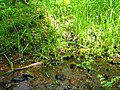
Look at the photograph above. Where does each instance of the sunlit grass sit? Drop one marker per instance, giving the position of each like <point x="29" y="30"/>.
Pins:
<point x="51" y="25"/>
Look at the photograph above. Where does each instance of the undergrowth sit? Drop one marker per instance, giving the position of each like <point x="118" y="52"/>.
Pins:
<point x="91" y="27"/>
<point x="61" y="29"/>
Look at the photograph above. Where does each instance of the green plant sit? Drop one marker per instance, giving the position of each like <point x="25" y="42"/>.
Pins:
<point x="10" y="62"/>
<point x="21" y="48"/>
<point x="89" y="26"/>
<point x="86" y="64"/>
<point x="108" y="84"/>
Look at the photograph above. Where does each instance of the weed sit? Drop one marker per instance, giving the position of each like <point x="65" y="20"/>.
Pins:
<point x="108" y="84"/>
<point x="87" y="65"/>
<point x="10" y="62"/>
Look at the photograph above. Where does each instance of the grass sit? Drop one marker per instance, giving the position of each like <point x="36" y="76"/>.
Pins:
<point x="61" y="29"/>
<point x="54" y="25"/>
<point x="10" y="62"/>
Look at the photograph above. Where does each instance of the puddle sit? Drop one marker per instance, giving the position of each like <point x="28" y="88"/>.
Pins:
<point x="64" y="76"/>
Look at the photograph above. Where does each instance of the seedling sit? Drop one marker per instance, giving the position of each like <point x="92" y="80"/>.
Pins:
<point x="10" y="62"/>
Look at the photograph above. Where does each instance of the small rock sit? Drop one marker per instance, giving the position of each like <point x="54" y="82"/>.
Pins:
<point x="26" y="75"/>
<point x="118" y="86"/>
<point x="72" y="66"/>
<point x="59" y="77"/>
<point x="18" y="79"/>
<point x="20" y="86"/>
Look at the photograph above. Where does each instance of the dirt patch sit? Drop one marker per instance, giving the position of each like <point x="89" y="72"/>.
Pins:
<point x="64" y="76"/>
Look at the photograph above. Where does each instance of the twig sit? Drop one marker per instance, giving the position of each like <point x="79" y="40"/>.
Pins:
<point x="25" y="67"/>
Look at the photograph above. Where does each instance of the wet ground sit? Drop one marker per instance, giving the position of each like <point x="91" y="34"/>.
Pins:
<point x="64" y="76"/>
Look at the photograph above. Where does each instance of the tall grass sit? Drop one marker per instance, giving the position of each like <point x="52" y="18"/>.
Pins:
<point x="92" y="26"/>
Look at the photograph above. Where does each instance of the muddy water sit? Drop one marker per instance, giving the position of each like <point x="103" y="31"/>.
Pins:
<point x="64" y="76"/>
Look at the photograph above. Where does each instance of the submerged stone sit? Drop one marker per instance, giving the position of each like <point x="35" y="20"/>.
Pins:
<point x="18" y="79"/>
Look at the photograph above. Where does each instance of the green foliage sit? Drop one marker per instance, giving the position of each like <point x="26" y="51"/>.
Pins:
<point x="53" y="25"/>
<point x="87" y="64"/>
<point x="108" y="84"/>
<point x="22" y="48"/>
<point x="10" y="62"/>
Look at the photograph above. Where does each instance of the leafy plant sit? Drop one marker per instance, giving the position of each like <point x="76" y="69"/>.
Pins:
<point x="108" y="84"/>
<point x="86" y="64"/>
